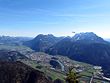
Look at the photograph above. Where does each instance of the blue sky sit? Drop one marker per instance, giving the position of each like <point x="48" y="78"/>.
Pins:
<point x="58" y="17"/>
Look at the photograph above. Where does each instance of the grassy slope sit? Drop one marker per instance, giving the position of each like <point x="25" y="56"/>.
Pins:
<point x="54" y="74"/>
<point x="86" y="75"/>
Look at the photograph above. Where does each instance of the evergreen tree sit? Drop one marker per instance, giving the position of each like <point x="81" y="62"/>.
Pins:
<point x="72" y="76"/>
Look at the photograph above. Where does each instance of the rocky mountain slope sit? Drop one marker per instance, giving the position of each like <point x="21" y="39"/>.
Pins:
<point x="17" y="72"/>
<point x="42" y="42"/>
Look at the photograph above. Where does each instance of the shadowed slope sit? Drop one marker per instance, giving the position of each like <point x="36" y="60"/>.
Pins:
<point x="17" y="72"/>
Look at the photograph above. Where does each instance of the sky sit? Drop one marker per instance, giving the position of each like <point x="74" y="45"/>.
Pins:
<point x="57" y="17"/>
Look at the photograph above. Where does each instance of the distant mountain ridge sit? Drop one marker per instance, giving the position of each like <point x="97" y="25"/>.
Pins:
<point x="13" y="40"/>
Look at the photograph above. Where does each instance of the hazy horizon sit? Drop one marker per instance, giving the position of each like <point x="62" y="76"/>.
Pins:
<point x="53" y="35"/>
<point x="29" y="18"/>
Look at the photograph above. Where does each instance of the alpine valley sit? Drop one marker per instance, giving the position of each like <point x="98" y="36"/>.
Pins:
<point x="47" y="59"/>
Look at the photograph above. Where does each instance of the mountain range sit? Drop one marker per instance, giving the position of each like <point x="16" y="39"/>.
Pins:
<point x="85" y="47"/>
<point x="13" y="40"/>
